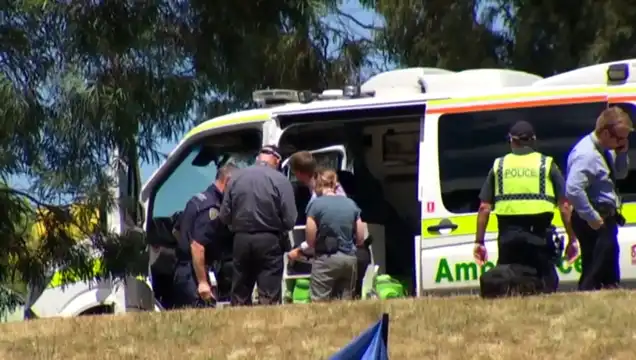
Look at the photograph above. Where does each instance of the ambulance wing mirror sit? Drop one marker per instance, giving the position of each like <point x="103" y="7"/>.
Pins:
<point x="206" y="155"/>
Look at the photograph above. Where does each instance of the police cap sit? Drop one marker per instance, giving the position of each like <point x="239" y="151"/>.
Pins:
<point x="271" y="150"/>
<point x="522" y="130"/>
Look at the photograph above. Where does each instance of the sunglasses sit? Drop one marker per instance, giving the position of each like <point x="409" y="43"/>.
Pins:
<point x="271" y="152"/>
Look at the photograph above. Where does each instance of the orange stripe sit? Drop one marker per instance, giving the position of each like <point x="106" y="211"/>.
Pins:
<point x="614" y="99"/>
<point x="517" y="104"/>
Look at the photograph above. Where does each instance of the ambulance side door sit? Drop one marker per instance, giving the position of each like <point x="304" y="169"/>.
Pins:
<point x="466" y="143"/>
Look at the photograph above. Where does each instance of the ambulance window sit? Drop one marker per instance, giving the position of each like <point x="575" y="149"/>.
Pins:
<point x="197" y="171"/>
<point x="469" y="143"/>
<point x="174" y="193"/>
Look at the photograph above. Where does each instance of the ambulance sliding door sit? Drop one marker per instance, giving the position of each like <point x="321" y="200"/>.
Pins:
<point x="466" y="142"/>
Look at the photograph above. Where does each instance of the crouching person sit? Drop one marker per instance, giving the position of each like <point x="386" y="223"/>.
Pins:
<point x="333" y="231"/>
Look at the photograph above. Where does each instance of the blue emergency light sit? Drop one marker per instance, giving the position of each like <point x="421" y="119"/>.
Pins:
<point x="618" y="73"/>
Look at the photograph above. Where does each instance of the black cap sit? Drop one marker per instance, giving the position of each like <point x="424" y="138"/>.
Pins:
<point x="522" y="130"/>
<point x="271" y="150"/>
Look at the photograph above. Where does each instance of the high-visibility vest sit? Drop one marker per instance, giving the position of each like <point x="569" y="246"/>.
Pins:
<point x="523" y="185"/>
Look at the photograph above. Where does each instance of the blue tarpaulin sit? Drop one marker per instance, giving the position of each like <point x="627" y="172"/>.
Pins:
<point x="370" y="345"/>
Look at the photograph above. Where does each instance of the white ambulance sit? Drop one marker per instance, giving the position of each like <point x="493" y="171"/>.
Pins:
<point x="59" y="295"/>
<point x="419" y="143"/>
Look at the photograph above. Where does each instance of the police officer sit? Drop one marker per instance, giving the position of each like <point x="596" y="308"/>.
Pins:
<point x="523" y="188"/>
<point x="201" y="238"/>
<point x="260" y="209"/>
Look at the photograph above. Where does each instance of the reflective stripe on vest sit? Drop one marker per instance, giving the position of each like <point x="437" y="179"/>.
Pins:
<point x="528" y="189"/>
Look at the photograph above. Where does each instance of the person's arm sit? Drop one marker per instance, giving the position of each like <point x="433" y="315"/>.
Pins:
<point x="311" y="227"/>
<point x="487" y="197"/>
<point x="360" y="232"/>
<point x="565" y="209"/>
<point x="621" y="165"/>
<point x="578" y="179"/>
<point x="289" y="213"/>
<point x="203" y="233"/>
<point x="359" y="229"/>
<point x="225" y="213"/>
<point x="311" y="231"/>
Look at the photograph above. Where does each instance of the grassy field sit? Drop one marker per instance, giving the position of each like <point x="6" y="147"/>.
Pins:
<point x="578" y="326"/>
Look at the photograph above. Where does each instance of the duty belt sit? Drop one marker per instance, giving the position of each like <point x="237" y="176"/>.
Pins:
<point x="609" y="211"/>
<point x="605" y="210"/>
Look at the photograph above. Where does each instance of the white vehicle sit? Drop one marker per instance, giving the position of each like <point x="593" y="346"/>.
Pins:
<point x="106" y="295"/>
<point x="419" y="143"/>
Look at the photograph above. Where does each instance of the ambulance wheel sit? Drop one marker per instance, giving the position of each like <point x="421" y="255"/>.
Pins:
<point x="158" y="307"/>
<point x="98" y="310"/>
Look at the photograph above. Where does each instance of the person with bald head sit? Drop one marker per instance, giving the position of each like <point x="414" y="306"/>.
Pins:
<point x="260" y="209"/>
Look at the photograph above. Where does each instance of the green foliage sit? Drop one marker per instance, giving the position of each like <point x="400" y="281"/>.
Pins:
<point x="90" y="88"/>
<point x="437" y="33"/>
<point x="542" y="37"/>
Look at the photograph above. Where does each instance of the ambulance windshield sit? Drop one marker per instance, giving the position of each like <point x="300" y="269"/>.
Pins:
<point x="197" y="171"/>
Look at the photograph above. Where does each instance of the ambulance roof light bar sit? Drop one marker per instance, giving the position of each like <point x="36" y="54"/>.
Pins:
<point x="610" y="73"/>
<point x="274" y="97"/>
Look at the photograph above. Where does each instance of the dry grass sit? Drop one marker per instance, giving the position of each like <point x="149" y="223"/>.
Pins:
<point x="579" y="326"/>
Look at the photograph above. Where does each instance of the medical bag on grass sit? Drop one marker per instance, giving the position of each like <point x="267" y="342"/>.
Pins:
<point x="510" y="280"/>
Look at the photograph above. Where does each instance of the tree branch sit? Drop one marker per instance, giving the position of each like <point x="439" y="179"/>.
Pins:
<point x="358" y="22"/>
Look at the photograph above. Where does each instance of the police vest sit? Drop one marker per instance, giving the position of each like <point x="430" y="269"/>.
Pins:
<point x="523" y="185"/>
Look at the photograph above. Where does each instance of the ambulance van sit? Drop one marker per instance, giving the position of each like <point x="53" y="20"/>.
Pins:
<point x="416" y="145"/>
<point x="237" y="137"/>
<point x="62" y="294"/>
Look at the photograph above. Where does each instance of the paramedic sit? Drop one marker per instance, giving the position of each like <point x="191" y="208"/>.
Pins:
<point x="303" y="166"/>
<point x="260" y="209"/>
<point x="523" y="188"/>
<point x="201" y="237"/>
<point x="594" y="164"/>
<point x="333" y="230"/>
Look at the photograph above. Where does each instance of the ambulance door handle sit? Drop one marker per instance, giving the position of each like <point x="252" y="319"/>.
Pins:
<point x="443" y="225"/>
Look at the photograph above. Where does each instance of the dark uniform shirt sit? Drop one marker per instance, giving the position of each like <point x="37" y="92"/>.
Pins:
<point x="487" y="194"/>
<point x="200" y="222"/>
<point x="259" y="199"/>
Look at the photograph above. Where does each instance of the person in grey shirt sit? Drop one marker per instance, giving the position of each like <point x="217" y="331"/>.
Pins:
<point x="333" y="230"/>
<point x="593" y="166"/>
<point x="259" y="208"/>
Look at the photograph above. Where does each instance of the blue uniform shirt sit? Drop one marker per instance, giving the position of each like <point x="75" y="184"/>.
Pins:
<point x="199" y="222"/>
<point x="588" y="177"/>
